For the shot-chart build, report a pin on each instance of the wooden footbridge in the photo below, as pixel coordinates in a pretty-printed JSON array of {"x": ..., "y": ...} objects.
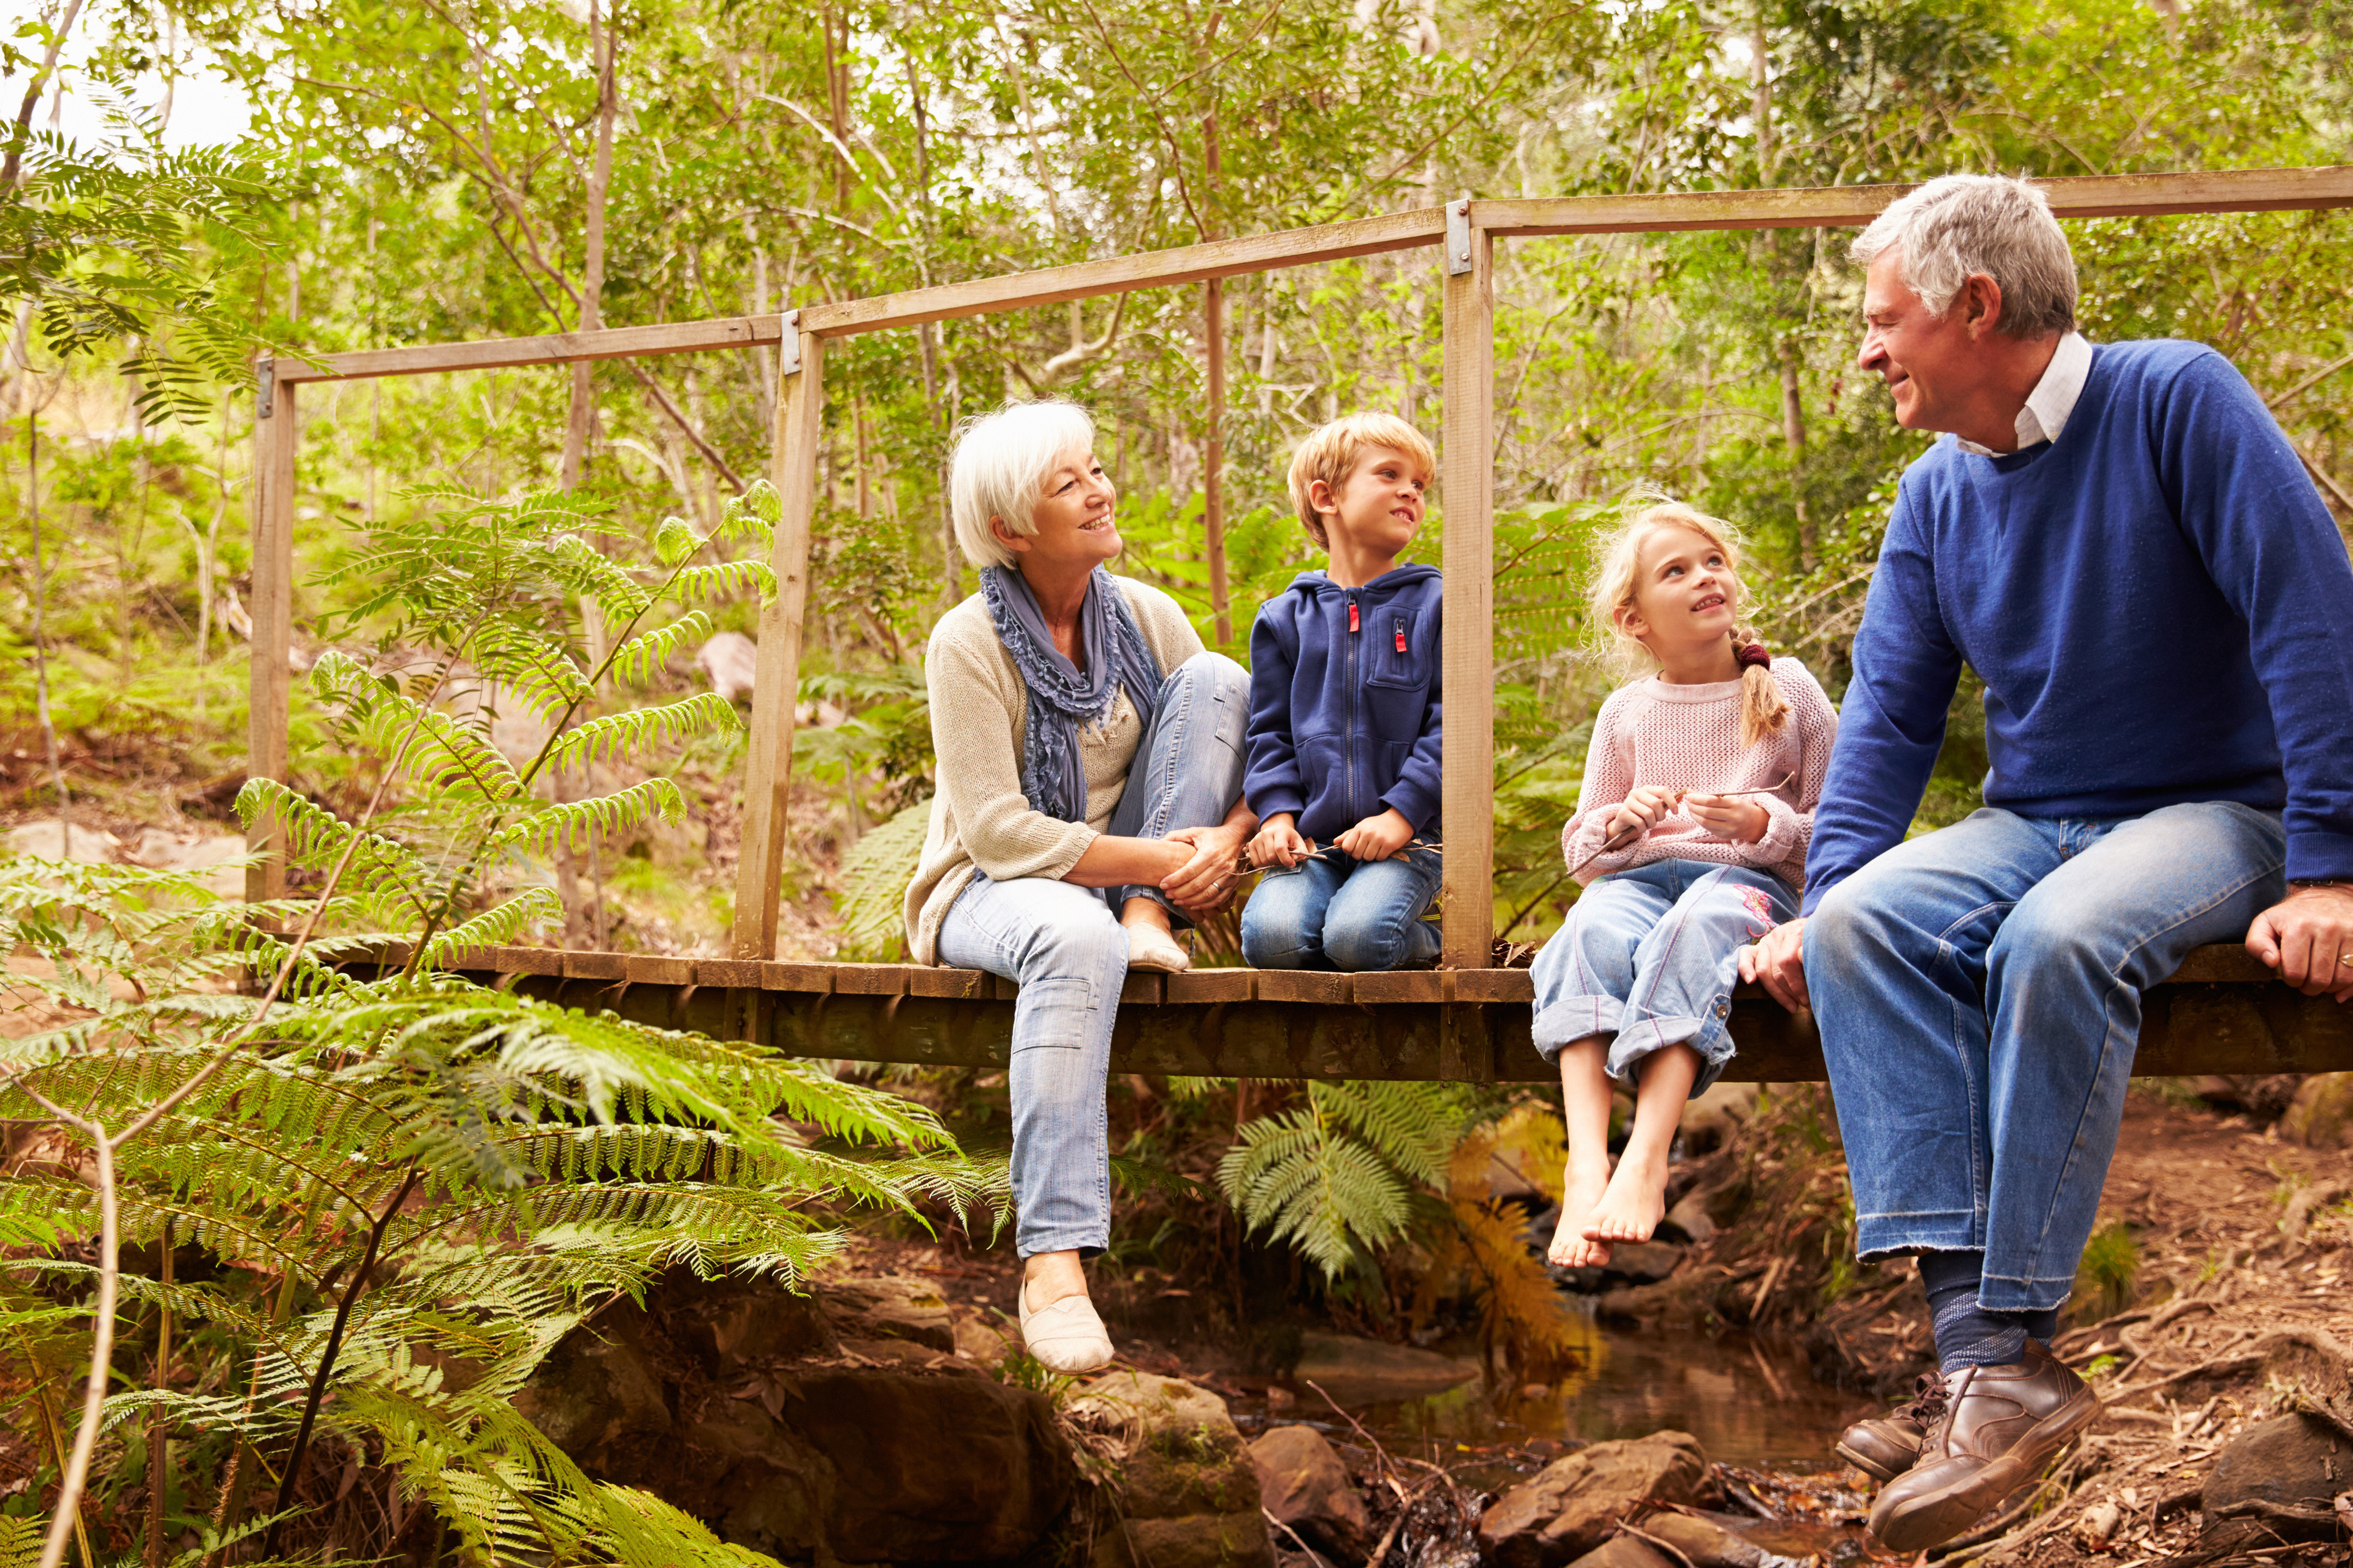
[{"x": 2221, "y": 1013}]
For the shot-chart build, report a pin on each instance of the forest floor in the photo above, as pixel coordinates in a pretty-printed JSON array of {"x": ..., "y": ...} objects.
[{"x": 2236, "y": 1311}]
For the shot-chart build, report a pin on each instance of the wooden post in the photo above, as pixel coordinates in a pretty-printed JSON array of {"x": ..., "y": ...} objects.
[
  {"x": 1468, "y": 477},
  {"x": 276, "y": 433},
  {"x": 1213, "y": 461},
  {"x": 768, "y": 769}
]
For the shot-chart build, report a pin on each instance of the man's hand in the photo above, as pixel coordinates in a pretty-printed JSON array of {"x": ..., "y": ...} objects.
[
  {"x": 1205, "y": 883},
  {"x": 1280, "y": 843},
  {"x": 1778, "y": 962},
  {"x": 1375, "y": 838},
  {"x": 2309, "y": 937},
  {"x": 1644, "y": 809},
  {"x": 1733, "y": 816}
]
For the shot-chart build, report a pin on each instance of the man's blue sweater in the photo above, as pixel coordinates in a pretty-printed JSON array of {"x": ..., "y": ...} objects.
[
  {"x": 1345, "y": 711},
  {"x": 2159, "y": 604}
]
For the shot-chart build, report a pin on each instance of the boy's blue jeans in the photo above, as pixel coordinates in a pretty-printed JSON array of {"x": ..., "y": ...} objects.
[
  {"x": 1064, "y": 946},
  {"x": 1337, "y": 912},
  {"x": 1979, "y": 992},
  {"x": 1648, "y": 957}
]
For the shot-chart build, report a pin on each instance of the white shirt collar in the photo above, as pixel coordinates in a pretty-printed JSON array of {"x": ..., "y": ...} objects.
[{"x": 2053, "y": 399}]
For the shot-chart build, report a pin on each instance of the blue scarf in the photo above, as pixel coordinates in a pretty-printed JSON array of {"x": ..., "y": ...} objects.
[{"x": 1062, "y": 697}]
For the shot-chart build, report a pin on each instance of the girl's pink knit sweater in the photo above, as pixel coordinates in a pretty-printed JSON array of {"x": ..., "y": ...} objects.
[{"x": 1688, "y": 737}]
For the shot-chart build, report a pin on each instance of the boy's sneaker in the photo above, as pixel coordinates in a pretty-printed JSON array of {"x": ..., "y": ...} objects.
[
  {"x": 1999, "y": 1426},
  {"x": 1887, "y": 1445}
]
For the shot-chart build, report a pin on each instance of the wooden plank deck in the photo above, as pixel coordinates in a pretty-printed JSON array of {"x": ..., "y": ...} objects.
[{"x": 2222, "y": 1013}]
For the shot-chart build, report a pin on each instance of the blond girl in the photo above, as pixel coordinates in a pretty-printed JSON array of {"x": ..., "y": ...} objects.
[{"x": 1690, "y": 836}]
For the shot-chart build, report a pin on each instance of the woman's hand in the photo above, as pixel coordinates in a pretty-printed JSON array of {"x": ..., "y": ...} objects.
[
  {"x": 1205, "y": 883},
  {"x": 1280, "y": 843},
  {"x": 1643, "y": 810},
  {"x": 1738, "y": 817}
]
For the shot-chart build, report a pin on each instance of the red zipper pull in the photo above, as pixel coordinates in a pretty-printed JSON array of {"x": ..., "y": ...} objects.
[
  {"x": 1401, "y": 637},
  {"x": 1352, "y": 615}
]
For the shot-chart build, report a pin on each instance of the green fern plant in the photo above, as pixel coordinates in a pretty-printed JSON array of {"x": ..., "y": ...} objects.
[
  {"x": 875, "y": 875},
  {"x": 1335, "y": 1176},
  {"x": 419, "y": 1184}
]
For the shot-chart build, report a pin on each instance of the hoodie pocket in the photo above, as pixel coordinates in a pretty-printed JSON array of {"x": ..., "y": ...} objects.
[{"x": 1401, "y": 659}]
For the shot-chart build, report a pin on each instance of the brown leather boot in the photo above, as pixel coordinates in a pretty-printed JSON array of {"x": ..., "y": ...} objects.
[
  {"x": 2000, "y": 1425},
  {"x": 1887, "y": 1445}
]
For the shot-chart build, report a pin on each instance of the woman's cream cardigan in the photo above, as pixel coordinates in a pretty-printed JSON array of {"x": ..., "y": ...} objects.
[{"x": 980, "y": 819}]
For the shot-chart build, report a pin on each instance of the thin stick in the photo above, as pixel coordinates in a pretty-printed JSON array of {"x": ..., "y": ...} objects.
[{"x": 327, "y": 1361}]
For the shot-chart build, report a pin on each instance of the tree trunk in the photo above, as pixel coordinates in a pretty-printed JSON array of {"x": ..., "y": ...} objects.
[
  {"x": 585, "y": 925},
  {"x": 1213, "y": 446},
  {"x": 1793, "y": 431}
]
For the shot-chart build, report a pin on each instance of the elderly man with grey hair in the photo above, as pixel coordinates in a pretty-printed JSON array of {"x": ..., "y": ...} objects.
[
  {"x": 1088, "y": 756},
  {"x": 2124, "y": 546}
]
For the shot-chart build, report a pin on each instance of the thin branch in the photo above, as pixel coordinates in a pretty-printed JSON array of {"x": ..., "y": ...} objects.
[{"x": 327, "y": 1363}]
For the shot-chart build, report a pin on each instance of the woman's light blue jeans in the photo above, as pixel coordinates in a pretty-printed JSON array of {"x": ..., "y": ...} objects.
[
  {"x": 1979, "y": 992},
  {"x": 1650, "y": 956},
  {"x": 1339, "y": 912},
  {"x": 1062, "y": 944}
]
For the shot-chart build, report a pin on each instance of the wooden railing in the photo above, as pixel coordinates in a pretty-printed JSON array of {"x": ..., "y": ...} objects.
[{"x": 1464, "y": 233}]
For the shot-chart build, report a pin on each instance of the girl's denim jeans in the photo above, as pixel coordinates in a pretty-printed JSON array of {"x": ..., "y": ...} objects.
[
  {"x": 1062, "y": 944},
  {"x": 1650, "y": 956},
  {"x": 1979, "y": 992},
  {"x": 1335, "y": 912}
]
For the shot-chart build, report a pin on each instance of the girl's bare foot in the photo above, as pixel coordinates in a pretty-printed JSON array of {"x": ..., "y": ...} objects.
[
  {"x": 1635, "y": 1202},
  {"x": 1573, "y": 1245}
]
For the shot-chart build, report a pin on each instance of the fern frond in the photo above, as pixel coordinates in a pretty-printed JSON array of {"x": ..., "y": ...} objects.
[
  {"x": 675, "y": 542},
  {"x": 499, "y": 924},
  {"x": 525, "y": 669},
  {"x": 641, "y": 657},
  {"x": 554, "y": 823},
  {"x": 380, "y": 867},
  {"x": 617, "y": 736},
  {"x": 723, "y": 579},
  {"x": 576, "y": 565},
  {"x": 440, "y": 754},
  {"x": 874, "y": 878}
]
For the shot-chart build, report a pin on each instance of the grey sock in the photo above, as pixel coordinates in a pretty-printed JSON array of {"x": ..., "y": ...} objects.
[{"x": 1966, "y": 1334}]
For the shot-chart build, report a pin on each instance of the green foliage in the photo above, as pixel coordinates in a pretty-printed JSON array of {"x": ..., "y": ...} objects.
[
  {"x": 2104, "y": 1278},
  {"x": 109, "y": 246},
  {"x": 1334, "y": 1176},
  {"x": 875, "y": 876},
  {"x": 503, "y": 1163}
]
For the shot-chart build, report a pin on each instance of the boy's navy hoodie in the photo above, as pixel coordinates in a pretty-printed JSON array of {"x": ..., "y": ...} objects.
[{"x": 1344, "y": 702}]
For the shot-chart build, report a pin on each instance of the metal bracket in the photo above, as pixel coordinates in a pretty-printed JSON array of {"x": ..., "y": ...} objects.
[
  {"x": 1458, "y": 237},
  {"x": 266, "y": 390},
  {"x": 788, "y": 343}
]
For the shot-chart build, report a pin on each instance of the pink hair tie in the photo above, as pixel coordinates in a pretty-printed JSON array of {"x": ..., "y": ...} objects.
[{"x": 1753, "y": 653}]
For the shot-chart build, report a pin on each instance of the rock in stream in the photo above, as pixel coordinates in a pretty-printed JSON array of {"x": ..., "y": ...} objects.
[{"x": 743, "y": 1404}]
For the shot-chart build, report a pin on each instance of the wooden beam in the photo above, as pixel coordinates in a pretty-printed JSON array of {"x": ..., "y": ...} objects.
[
  {"x": 1118, "y": 274},
  {"x": 552, "y": 348},
  {"x": 904, "y": 1013},
  {"x": 2233, "y": 190},
  {"x": 776, "y": 689},
  {"x": 1831, "y": 206},
  {"x": 277, "y": 431},
  {"x": 1467, "y": 489}
]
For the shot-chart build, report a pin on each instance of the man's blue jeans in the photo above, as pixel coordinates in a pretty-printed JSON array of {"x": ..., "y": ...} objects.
[
  {"x": 1979, "y": 992},
  {"x": 1063, "y": 945},
  {"x": 1339, "y": 912}
]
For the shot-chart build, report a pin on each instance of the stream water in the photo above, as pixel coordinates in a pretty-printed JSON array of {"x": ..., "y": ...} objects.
[
  {"x": 1753, "y": 1405},
  {"x": 1748, "y": 1402}
]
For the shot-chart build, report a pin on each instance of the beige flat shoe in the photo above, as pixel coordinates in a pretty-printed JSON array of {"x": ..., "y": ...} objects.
[
  {"x": 1066, "y": 1336},
  {"x": 1151, "y": 948}
]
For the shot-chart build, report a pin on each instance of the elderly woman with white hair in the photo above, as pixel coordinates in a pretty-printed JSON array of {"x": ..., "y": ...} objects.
[{"x": 1090, "y": 762}]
